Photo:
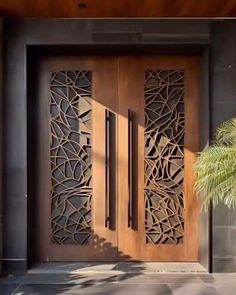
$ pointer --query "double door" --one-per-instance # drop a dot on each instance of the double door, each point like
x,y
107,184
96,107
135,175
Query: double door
x,y
118,137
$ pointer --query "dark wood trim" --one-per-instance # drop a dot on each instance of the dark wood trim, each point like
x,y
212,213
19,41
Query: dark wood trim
x,y
121,9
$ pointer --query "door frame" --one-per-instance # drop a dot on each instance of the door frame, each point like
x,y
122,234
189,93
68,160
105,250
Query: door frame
x,y
32,43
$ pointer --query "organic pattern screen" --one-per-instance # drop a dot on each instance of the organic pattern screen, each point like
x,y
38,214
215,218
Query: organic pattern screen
x,y
70,156
164,156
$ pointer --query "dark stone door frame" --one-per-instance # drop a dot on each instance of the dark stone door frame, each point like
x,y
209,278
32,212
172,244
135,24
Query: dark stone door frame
x,y
24,40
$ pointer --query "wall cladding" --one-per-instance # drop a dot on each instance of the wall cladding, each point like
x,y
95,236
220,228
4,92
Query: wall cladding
x,y
223,107
1,109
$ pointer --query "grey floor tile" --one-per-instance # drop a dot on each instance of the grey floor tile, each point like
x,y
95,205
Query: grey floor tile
x,y
59,279
227,288
7,289
222,278
44,289
127,284
194,289
106,289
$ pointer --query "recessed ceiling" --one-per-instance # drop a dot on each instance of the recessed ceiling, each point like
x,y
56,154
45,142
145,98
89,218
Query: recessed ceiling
x,y
118,8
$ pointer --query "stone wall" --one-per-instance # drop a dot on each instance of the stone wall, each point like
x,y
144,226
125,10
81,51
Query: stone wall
x,y
223,107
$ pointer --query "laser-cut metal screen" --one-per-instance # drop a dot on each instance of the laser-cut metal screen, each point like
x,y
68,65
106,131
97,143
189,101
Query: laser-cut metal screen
x,y
164,156
70,156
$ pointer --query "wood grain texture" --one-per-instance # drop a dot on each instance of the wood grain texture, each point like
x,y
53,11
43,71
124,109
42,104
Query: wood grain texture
x,y
102,244
122,8
131,95
118,85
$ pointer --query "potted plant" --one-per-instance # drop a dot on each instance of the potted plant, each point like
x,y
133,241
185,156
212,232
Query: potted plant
x,y
216,168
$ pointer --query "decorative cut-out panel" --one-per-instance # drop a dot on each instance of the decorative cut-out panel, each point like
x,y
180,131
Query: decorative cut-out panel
x,y
70,156
164,156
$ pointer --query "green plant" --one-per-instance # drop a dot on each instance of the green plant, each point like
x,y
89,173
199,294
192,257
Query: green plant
x,y
216,168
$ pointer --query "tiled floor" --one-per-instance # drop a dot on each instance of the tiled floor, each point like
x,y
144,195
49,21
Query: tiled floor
x,y
119,284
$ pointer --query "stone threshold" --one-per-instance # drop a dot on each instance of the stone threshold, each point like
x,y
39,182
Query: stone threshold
x,y
116,268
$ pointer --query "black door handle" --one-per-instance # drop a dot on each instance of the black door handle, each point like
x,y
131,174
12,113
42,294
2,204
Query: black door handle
x,y
107,168
130,167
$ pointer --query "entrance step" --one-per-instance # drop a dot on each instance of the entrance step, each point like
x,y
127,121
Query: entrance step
x,y
115,268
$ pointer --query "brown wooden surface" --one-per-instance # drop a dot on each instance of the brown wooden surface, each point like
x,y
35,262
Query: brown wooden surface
x,y
122,8
131,95
103,245
118,84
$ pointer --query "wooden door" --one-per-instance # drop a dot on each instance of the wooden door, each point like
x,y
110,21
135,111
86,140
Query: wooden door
x,y
117,141
158,140
77,197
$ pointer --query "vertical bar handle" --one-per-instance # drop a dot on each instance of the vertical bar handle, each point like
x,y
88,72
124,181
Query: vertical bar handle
x,y
107,167
130,167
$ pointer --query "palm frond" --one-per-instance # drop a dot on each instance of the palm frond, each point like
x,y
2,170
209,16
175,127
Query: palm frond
x,y
216,175
226,133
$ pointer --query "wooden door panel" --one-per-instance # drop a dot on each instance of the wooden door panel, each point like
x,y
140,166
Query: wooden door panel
x,y
137,170
162,92
129,99
74,94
